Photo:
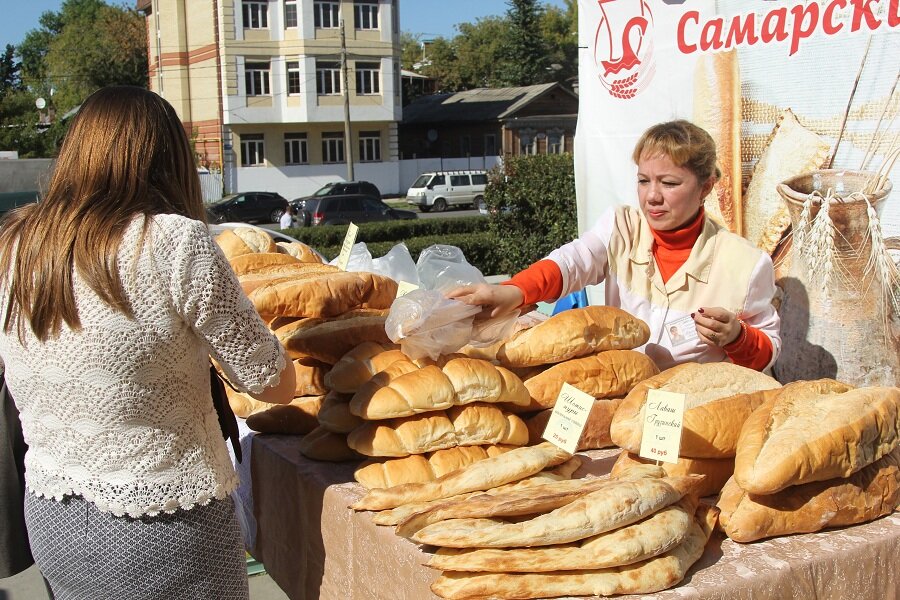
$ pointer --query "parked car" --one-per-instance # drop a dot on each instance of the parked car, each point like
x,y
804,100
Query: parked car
x,y
441,189
263,207
341,210
11,200
339,188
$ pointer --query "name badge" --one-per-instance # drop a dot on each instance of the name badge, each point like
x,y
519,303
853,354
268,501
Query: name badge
x,y
663,416
681,331
347,246
570,413
405,287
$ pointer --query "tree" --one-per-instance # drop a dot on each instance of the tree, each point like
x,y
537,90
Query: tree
x,y
478,50
559,29
9,72
524,51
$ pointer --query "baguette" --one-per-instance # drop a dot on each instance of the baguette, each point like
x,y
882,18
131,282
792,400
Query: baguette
x,y
335,416
816,431
298,250
419,468
252,262
871,492
232,245
310,377
298,417
596,430
489,473
323,295
257,239
327,340
243,405
573,333
359,365
715,471
651,575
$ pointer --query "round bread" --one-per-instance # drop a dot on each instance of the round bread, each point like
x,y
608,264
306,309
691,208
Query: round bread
x,y
298,250
257,239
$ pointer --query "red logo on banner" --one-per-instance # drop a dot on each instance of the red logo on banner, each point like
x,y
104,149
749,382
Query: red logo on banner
x,y
623,47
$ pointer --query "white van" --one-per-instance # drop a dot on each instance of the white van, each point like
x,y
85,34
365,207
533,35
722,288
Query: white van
x,y
441,189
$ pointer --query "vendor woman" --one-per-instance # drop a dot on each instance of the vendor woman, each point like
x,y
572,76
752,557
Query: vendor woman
x,y
706,293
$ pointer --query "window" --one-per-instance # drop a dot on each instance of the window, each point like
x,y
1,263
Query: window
x,y
293,77
295,149
365,12
556,142
368,78
257,79
328,78
490,144
457,180
438,180
480,179
369,146
527,141
326,14
256,15
253,150
290,13
332,147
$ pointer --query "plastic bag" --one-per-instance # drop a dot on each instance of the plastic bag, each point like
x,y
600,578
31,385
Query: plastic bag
x,y
426,323
398,265
444,268
360,259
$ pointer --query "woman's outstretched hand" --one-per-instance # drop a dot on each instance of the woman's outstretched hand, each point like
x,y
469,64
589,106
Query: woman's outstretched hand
x,y
495,300
717,326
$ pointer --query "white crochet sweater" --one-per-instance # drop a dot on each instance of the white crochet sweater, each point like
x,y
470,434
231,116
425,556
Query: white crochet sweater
x,y
120,411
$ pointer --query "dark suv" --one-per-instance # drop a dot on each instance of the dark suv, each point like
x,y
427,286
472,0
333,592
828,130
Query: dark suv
x,y
339,188
341,210
264,207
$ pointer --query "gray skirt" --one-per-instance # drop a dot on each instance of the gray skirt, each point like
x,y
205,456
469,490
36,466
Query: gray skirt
x,y
88,554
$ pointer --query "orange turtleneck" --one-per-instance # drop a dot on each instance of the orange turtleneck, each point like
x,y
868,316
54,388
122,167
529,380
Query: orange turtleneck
x,y
543,281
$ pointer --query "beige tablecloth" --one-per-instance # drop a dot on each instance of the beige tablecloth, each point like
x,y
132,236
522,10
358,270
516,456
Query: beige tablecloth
x,y
313,546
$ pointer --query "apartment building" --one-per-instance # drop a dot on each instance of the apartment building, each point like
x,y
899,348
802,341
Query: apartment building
x,y
260,88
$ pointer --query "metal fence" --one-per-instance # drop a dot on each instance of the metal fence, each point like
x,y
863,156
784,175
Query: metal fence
x,y
211,185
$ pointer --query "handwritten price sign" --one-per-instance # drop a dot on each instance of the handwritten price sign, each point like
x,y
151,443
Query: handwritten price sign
x,y
570,413
347,246
663,416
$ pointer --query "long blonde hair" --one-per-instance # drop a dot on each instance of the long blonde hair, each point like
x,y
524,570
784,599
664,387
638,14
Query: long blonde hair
x,y
125,154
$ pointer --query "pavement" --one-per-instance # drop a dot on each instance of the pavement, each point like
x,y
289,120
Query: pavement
x,y
28,585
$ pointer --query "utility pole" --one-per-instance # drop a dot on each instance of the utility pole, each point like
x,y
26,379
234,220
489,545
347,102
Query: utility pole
x,y
345,69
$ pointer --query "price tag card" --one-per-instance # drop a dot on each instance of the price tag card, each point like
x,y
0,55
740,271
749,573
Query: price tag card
x,y
568,418
663,419
349,240
405,287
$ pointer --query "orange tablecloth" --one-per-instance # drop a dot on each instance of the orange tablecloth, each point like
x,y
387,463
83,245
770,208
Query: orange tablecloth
x,y
313,546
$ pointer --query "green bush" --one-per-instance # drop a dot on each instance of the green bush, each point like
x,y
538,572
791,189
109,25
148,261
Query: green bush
x,y
531,202
323,236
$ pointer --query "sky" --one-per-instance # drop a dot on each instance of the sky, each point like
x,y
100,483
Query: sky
x,y
430,18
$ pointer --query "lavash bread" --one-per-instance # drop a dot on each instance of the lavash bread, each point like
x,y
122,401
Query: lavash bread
x,y
232,245
327,340
470,425
715,471
298,250
460,381
717,109
651,575
359,365
324,295
596,430
871,492
791,150
254,261
421,468
645,539
335,416
515,465
296,418
712,435
605,375
321,444
816,431
573,333
618,504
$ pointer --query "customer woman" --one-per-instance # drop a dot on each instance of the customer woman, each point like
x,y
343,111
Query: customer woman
x,y
664,262
113,298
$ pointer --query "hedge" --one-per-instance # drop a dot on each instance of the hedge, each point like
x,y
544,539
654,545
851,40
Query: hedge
x,y
323,236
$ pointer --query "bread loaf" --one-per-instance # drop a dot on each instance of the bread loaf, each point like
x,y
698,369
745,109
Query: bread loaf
x,y
816,431
871,492
231,244
605,375
645,539
573,333
715,471
596,429
297,418
651,575
325,295
621,503
493,472
243,405
298,250
321,444
335,416
360,364
278,273
421,468
470,425
250,263
719,387
327,340
310,377
717,109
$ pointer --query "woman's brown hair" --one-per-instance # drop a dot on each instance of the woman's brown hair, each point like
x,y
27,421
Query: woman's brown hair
x,y
684,143
125,154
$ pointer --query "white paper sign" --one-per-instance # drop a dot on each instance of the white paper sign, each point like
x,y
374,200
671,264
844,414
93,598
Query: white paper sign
x,y
405,287
663,420
570,413
349,240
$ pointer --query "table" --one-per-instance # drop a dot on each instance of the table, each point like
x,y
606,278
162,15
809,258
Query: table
x,y
313,546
